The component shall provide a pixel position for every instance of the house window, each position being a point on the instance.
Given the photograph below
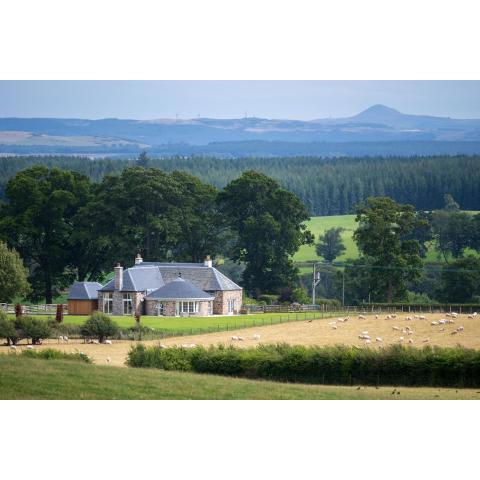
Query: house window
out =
(210, 308)
(230, 305)
(186, 307)
(127, 304)
(107, 302)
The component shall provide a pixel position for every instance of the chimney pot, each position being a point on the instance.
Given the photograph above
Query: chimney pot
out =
(208, 261)
(138, 259)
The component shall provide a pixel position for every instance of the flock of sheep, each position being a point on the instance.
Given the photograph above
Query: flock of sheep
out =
(406, 331)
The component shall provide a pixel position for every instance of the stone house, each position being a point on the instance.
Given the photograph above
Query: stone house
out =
(170, 289)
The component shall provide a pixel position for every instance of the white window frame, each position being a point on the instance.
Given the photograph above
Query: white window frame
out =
(230, 305)
(160, 309)
(186, 307)
(107, 302)
(127, 300)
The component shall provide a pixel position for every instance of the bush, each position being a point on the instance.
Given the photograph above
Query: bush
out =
(7, 329)
(52, 354)
(341, 365)
(99, 325)
(268, 299)
(29, 327)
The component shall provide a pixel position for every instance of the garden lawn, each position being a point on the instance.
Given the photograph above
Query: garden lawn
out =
(200, 324)
(27, 378)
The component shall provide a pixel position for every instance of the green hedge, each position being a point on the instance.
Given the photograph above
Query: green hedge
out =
(340, 365)
(52, 354)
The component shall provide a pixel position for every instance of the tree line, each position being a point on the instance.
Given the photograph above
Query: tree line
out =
(66, 227)
(327, 186)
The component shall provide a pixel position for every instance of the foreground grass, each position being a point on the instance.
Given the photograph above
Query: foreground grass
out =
(27, 378)
(200, 324)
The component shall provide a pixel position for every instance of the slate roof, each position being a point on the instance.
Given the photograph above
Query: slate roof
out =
(84, 291)
(149, 276)
(179, 289)
(138, 279)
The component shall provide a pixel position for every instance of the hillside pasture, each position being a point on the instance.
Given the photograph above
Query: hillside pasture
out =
(27, 378)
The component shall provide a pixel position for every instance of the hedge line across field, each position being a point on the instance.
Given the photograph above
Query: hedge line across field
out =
(335, 365)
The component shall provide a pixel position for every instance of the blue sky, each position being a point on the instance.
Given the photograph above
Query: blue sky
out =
(233, 99)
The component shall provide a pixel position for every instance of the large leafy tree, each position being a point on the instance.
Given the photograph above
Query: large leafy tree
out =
(269, 224)
(38, 222)
(460, 280)
(203, 227)
(13, 275)
(383, 238)
(452, 232)
(330, 244)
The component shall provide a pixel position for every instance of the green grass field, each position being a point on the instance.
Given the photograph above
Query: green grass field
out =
(317, 225)
(26, 378)
(199, 324)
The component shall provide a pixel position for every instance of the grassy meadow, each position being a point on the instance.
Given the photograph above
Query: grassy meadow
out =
(317, 225)
(200, 324)
(29, 378)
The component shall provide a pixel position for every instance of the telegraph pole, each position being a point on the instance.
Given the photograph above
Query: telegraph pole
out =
(315, 282)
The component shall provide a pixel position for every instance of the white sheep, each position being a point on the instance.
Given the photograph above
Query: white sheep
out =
(422, 317)
(376, 316)
(334, 327)
(454, 332)
(108, 359)
(60, 338)
(29, 347)
(65, 338)
(256, 336)
(378, 339)
(460, 329)
(367, 341)
(408, 318)
(410, 341)
(108, 342)
(395, 328)
(162, 346)
(365, 332)
(433, 323)
(401, 339)
(361, 317)
(240, 339)
(234, 337)
(13, 347)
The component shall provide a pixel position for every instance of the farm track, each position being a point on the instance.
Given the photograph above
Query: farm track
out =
(316, 332)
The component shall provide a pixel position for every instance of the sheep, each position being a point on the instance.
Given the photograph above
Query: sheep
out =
(240, 339)
(442, 330)
(404, 330)
(65, 338)
(422, 317)
(365, 332)
(367, 341)
(474, 314)
(364, 337)
(454, 332)
(454, 314)
(393, 315)
(409, 332)
(60, 338)
(162, 346)
(192, 345)
(434, 323)
(395, 328)
(13, 347)
(234, 338)
(388, 317)
(376, 317)
(441, 322)
(460, 329)
(256, 336)
(416, 316)
(378, 339)
(185, 345)
(334, 327)
(401, 339)
(408, 318)
(29, 347)
(108, 359)
(410, 341)
(361, 317)
(425, 340)
(108, 342)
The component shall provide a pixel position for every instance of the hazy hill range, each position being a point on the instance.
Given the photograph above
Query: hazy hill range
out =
(377, 130)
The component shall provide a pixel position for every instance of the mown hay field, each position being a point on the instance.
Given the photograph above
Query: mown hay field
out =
(303, 332)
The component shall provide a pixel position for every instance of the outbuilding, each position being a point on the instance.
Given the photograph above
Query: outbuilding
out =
(83, 298)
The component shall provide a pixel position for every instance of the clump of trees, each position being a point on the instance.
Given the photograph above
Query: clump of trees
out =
(330, 244)
(24, 327)
(13, 275)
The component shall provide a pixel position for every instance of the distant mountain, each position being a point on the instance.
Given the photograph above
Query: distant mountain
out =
(376, 124)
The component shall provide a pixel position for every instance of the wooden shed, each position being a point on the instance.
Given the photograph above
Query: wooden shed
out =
(83, 298)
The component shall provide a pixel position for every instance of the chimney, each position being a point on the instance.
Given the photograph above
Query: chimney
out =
(208, 261)
(118, 277)
(138, 259)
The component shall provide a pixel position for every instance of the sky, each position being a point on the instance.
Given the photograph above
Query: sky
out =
(303, 100)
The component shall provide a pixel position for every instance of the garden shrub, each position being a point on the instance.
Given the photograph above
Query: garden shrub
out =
(30, 327)
(7, 329)
(99, 325)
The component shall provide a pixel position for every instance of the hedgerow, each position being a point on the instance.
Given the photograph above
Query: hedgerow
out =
(340, 365)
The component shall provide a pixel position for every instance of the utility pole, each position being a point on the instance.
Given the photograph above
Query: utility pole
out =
(315, 282)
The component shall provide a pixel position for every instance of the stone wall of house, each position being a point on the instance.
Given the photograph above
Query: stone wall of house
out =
(220, 303)
(117, 307)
